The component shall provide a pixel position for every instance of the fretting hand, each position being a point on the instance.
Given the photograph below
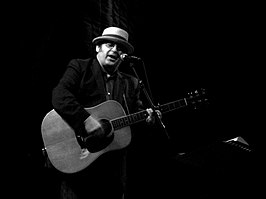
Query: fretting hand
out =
(151, 118)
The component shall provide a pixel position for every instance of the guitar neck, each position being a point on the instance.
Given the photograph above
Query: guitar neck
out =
(124, 121)
(173, 105)
(130, 119)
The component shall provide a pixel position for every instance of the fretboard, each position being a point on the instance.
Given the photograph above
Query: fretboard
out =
(124, 121)
(128, 120)
(173, 105)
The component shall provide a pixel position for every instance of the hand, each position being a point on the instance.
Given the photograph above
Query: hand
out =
(91, 124)
(151, 117)
(96, 127)
(100, 134)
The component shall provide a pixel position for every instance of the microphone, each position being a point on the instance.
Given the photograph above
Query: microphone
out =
(126, 57)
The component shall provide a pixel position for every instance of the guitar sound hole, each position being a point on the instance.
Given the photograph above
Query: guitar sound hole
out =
(106, 126)
(100, 140)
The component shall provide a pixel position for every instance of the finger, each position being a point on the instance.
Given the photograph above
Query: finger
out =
(149, 111)
(148, 119)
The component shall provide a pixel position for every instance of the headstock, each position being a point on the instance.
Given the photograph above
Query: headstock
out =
(197, 97)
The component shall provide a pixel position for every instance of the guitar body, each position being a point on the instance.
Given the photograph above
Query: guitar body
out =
(61, 144)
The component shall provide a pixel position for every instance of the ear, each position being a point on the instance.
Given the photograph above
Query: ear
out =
(97, 48)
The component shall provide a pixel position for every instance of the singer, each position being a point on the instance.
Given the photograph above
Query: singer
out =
(89, 83)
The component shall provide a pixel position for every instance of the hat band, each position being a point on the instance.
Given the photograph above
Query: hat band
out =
(117, 36)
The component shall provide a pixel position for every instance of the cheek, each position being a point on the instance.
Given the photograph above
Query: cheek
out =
(101, 56)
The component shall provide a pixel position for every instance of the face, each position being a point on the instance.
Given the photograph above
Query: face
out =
(108, 55)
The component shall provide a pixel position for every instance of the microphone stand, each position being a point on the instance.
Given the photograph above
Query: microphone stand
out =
(153, 107)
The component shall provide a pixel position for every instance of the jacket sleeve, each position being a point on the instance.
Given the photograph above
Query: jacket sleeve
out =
(64, 97)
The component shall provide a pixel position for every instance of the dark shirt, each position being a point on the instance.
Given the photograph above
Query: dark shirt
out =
(109, 85)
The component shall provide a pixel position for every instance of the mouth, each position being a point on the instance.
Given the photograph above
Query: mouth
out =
(113, 57)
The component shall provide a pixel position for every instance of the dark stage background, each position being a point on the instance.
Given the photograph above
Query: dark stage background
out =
(185, 46)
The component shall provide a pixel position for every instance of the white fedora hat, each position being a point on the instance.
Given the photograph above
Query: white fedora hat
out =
(117, 35)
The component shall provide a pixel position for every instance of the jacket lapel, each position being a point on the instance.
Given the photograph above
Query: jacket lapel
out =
(97, 72)
(119, 88)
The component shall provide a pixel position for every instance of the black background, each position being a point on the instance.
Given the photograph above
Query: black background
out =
(184, 47)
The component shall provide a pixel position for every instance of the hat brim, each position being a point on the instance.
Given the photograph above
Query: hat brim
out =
(127, 45)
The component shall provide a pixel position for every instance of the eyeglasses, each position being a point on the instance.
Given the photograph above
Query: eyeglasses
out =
(119, 47)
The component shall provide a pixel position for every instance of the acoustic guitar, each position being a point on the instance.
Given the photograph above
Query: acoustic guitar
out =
(61, 144)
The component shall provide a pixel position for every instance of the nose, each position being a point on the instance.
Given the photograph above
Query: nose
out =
(115, 48)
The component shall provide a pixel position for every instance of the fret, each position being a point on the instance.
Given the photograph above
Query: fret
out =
(114, 124)
(134, 116)
(126, 121)
(139, 116)
(173, 105)
(129, 119)
(120, 122)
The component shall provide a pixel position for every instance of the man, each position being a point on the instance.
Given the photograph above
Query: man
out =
(89, 83)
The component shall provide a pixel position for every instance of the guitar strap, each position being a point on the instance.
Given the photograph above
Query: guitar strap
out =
(125, 100)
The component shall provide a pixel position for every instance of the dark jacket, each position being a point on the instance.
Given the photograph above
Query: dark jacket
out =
(82, 85)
